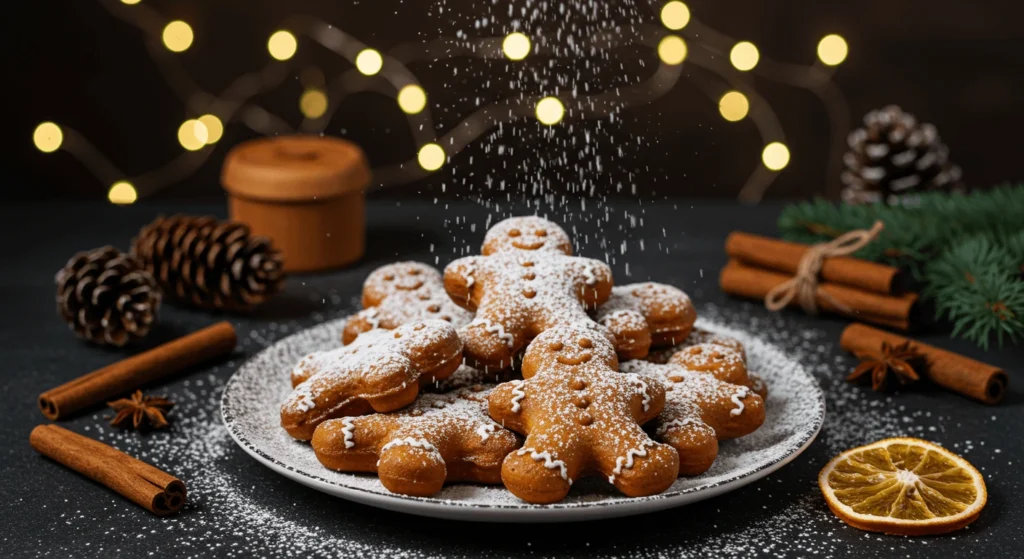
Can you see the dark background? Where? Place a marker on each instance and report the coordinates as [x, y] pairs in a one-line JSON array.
[[955, 64]]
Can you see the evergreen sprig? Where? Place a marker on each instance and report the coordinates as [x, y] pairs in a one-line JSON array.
[[967, 251]]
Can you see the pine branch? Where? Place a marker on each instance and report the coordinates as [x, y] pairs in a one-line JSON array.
[[966, 250]]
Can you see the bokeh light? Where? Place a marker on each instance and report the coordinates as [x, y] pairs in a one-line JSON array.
[[516, 46], [675, 15], [177, 36], [214, 128], [550, 111], [130, 2], [832, 50], [412, 99], [192, 135], [369, 62], [47, 137], [734, 106], [672, 50], [775, 156], [122, 193], [313, 103], [282, 45], [744, 56], [431, 157]]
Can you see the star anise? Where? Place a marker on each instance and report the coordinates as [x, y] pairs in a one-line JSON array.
[[898, 361], [135, 411]]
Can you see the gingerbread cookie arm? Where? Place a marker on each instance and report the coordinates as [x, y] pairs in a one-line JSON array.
[[366, 320], [682, 428], [506, 404], [731, 410], [352, 444], [463, 279], [495, 335], [632, 334], [385, 385], [592, 280], [648, 396]]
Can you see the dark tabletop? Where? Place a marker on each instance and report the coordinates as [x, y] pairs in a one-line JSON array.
[[240, 508]]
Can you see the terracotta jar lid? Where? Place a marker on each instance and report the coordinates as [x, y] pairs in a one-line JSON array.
[[305, 193], [295, 168]]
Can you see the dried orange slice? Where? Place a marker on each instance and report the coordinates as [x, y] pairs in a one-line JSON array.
[[903, 486]]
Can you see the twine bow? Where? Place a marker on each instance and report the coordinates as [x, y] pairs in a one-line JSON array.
[[804, 285]]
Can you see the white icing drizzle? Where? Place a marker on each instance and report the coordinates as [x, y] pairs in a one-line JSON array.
[[347, 429], [410, 441], [636, 380], [485, 430], [549, 461], [494, 328], [737, 399], [304, 401], [518, 395], [676, 424], [626, 462], [588, 274]]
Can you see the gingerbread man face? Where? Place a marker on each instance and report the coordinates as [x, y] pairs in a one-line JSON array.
[[581, 418], [401, 293], [699, 411], [518, 293], [526, 233], [440, 438], [379, 372], [646, 315], [698, 336]]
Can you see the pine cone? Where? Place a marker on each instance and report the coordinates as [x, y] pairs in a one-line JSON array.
[[107, 297], [894, 157], [208, 263]]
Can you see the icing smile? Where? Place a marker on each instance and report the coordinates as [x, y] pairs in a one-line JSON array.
[[528, 246], [409, 287], [583, 358]]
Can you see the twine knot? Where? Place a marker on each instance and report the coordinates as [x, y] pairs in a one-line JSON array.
[[804, 285]]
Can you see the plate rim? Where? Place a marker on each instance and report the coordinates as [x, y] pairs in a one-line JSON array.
[[430, 506]]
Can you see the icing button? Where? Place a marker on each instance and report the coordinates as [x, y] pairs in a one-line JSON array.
[[584, 419], [529, 293], [586, 343], [582, 402], [577, 384], [529, 276], [526, 263], [434, 308]]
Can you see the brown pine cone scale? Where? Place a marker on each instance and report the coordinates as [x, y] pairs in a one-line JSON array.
[[107, 297], [210, 264]]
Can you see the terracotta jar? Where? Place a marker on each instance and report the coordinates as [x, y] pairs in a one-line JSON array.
[[306, 193]]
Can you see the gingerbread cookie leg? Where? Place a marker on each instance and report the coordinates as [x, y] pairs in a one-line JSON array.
[[542, 471], [493, 337], [695, 441], [636, 465]]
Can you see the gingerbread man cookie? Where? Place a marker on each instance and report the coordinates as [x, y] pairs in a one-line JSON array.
[[647, 315], [581, 418], [526, 282], [381, 371], [441, 438], [401, 293], [699, 411], [698, 336]]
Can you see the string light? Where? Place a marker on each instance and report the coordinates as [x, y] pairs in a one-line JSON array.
[[675, 15], [122, 193], [47, 137], [313, 103], [516, 46], [431, 157], [282, 45], [214, 128], [775, 156], [369, 62], [832, 50], [412, 99], [744, 56], [177, 36], [672, 50], [734, 106], [550, 111], [192, 135]]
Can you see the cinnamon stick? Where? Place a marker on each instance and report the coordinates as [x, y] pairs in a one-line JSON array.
[[891, 311], [131, 373], [784, 256], [974, 379], [142, 483]]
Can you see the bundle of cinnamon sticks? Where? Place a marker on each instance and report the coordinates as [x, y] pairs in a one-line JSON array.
[[863, 290]]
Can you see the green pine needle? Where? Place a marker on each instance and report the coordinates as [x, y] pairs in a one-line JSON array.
[[967, 251]]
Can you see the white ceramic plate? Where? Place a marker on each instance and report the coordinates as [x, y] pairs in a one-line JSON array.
[[252, 398]]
